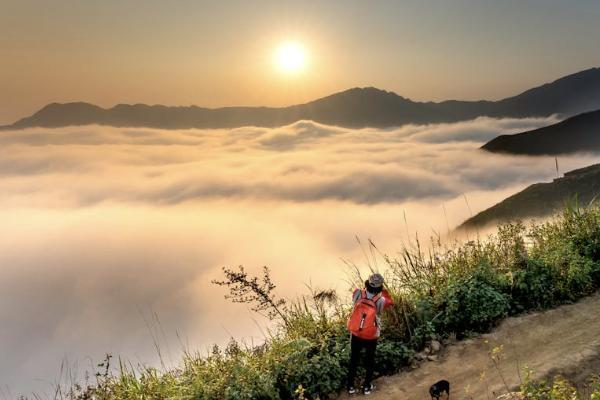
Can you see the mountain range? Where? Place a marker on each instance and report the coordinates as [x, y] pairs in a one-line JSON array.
[[578, 133], [542, 199], [356, 108]]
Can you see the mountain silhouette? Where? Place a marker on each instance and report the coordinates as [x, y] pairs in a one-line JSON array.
[[542, 199], [578, 133], [353, 108]]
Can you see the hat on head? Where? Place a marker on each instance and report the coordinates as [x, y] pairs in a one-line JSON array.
[[376, 280]]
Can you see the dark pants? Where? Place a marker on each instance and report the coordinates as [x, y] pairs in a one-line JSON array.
[[356, 346]]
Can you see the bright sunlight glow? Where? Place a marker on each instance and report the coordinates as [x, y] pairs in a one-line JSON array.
[[291, 57]]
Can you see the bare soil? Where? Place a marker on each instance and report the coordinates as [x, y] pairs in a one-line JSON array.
[[564, 341]]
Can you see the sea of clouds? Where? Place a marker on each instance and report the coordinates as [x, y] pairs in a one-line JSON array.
[[110, 236]]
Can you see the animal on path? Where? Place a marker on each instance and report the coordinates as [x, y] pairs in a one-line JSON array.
[[438, 388]]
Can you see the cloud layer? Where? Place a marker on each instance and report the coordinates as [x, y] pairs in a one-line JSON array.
[[102, 228], [304, 162]]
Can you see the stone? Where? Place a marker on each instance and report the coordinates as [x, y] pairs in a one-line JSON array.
[[511, 396]]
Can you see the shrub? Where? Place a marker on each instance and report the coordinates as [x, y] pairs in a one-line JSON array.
[[471, 304], [594, 387], [533, 287], [391, 356], [235, 373], [315, 368], [558, 389]]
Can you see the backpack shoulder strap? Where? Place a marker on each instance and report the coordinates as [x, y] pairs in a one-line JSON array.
[[377, 299], [374, 299]]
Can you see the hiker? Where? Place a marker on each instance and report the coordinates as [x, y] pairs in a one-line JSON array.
[[364, 325]]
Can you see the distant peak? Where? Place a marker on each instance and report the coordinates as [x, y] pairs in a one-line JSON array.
[[586, 73], [369, 90], [76, 106], [353, 107], [69, 104]]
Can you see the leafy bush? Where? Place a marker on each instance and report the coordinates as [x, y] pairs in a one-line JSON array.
[[471, 304], [559, 389], [391, 356], [533, 287], [594, 387], [235, 373], [316, 368]]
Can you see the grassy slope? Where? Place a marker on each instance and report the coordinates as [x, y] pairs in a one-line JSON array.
[[542, 199], [450, 291]]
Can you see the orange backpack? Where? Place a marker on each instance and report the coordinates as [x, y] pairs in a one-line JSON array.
[[363, 320]]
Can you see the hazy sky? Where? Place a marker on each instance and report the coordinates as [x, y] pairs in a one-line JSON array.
[[221, 53]]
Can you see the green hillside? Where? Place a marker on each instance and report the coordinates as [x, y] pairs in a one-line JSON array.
[[541, 199]]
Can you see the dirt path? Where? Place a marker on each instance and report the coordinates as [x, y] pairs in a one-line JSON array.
[[565, 340]]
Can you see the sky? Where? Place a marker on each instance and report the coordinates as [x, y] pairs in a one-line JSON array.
[[221, 53], [110, 237]]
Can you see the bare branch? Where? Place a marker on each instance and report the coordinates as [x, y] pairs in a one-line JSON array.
[[249, 290]]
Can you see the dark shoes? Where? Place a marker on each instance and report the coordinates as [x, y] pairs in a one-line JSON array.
[[366, 390]]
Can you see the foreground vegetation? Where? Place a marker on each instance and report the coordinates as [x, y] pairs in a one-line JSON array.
[[558, 389], [457, 290]]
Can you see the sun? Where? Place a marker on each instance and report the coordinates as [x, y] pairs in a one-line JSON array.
[[290, 57]]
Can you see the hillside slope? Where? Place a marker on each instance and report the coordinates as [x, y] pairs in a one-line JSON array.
[[358, 107], [542, 199], [578, 133], [565, 341]]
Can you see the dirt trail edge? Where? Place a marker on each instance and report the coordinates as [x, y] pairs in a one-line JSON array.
[[565, 340]]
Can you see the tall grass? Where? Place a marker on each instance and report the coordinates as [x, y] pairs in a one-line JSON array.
[[456, 289]]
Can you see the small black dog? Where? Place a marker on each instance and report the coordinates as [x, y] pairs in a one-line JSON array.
[[437, 388]]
